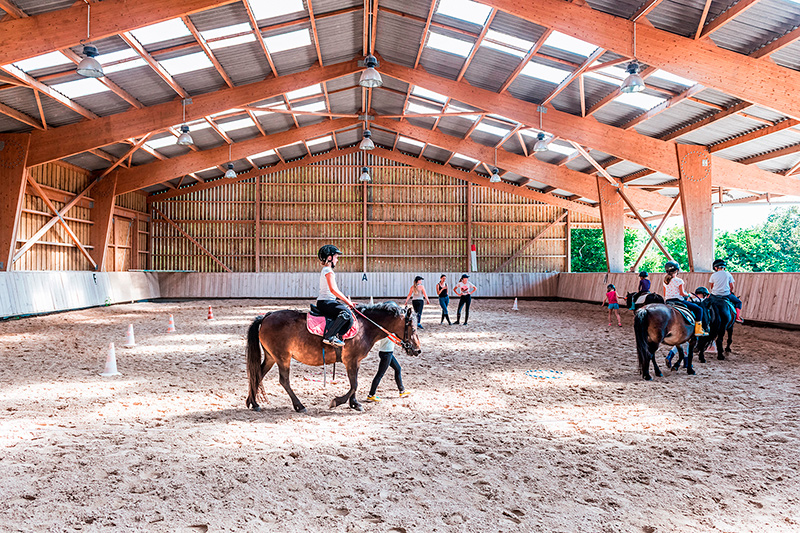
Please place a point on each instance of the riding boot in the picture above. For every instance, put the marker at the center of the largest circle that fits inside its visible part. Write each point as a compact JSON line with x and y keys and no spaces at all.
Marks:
{"x":338,"y":326}
{"x":458,"y":318}
{"x":447,"y":317}
{"x":466,"y":318}
{"x":442,"y":320}
{"x":739,"y":316}
{"x":698,"y":329}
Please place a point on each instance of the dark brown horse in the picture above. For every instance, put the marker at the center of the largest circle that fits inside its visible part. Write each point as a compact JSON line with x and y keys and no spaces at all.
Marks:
{"x":657,"y":323}
{"x":283,"y":336}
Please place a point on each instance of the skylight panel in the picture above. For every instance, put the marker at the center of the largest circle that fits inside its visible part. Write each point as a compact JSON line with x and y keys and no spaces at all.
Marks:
{"x":464,"y":157}
{"x":187,"y":63}
{"x":227,"y":112}
{"x":430,"y":95}
{"x":455,"y":109}
{"x":288,"y":41}
{"x":267,"y":9}
{"x":226,"y":31}
{"x":305,"y":91}
{"x":236,"y":124}
{"x":155,"y":144}
{"x":113,"y":57}
{"x":78,"y":88}
{"x":43,"y":61}
{"x":311,"y":108}
{"x":506,"y":43}
{"x":414,"y":107}
{"x":493,"y":130}
{"x":570,"y":44}
{"x":640,"y":100}
{"x":543,"y":72}
{"x":610,"y":75}
{"x":163,"y":31}
{"x":263,"y":154}
{"x":449,"y":44}
{"x":321,"y":140}
{"x":233,"y":41}
{"x":464,"y":10}
{"x":412,"y":142}
{"x":568,"y":151}
{"x":661,"y":74}
{"x":126,"y":65}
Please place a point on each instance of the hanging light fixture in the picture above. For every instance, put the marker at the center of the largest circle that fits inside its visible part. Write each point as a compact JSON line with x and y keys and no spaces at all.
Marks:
{"x":495,"y":178}
{"x":184,"y":139}
{"x":634,"y":82}
{"x":542,"y":142}
{"x":89,"y":67}
{"x":366,"y":142}
{"x":230,"y":173}
{"x":370,"y":77}
{"x":365,"y":177}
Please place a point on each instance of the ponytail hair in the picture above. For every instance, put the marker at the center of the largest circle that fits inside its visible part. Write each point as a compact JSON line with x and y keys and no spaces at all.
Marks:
{"x":669,"y":276}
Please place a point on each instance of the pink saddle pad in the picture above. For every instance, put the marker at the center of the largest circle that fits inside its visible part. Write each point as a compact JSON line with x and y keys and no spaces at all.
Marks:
{"x":316,"y":326}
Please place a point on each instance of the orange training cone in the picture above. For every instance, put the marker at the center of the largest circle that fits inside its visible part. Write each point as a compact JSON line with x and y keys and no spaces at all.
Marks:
{"x":210,"y":313}
{"x":171,"y":325}
{"x":111,"y":363}
{"x":515,"y":308}
{"x":129,"y":340}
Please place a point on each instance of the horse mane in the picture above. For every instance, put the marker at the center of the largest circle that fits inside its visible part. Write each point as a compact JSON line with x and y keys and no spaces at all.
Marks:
{"x":383,"y":308}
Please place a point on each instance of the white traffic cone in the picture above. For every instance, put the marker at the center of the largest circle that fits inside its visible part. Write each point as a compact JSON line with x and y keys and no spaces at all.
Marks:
{"x":515,"y":308}
{"x":129,"y":340}
{"x":210,"y":313}
{"x":371,"y":301}
{"x":111,"y":363}
{"x":171,"y":325}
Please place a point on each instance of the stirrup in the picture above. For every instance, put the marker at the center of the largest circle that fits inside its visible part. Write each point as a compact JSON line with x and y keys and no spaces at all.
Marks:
{"x":334,"y":341}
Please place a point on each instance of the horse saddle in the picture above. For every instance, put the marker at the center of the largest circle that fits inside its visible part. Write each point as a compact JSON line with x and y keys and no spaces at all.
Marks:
{"x":317,"y":324}
{"x":683,"y":310}
{"x":715,"y":298}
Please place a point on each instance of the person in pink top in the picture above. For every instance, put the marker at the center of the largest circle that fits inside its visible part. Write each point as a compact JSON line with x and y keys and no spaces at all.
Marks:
{"x":612,"y":298}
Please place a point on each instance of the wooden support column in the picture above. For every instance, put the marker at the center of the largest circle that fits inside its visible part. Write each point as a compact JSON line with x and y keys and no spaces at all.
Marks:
{"x":469,"y":228}
{"x":568,"y":250}
{"x":612,"y":217}
{"x":135,"y":244}
{"x":694,"y":163}
{"x":102,"y":215}
{"x":257,"y":243}
{"x":13,"y":157}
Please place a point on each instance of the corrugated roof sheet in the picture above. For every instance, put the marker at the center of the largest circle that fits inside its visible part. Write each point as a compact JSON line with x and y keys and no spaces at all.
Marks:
{"x":765,"y":21}
{"x":398,"y":39}
{"x":340,"y":37}
{"x":490,"y":68}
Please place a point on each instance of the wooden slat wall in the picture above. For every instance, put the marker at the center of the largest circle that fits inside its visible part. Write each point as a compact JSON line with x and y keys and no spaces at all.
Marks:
{"x":415,"y":220}
{"x":29,"y":293}
{"x":767,"y":296}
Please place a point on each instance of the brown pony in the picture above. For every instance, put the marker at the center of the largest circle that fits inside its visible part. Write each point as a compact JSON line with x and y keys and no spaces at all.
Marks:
{"x":283,"y":335}
{"x":655,"y":324}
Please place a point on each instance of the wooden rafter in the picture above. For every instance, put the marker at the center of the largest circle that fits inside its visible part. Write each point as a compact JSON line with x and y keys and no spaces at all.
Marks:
{"x":702,"y":22}
{"x":476,"y":45}
{"x":44,"y":89}
{"x":736,"y":108}
{"x":525,"y":60}
{"x":314,"y":33}
{"x":257,"y":32}
{"x":607,"y":99}
{"x":646,"y":8}
{"x":727,"y":16}
{"x":22,"y":117}
{"x":155,"y":65}
{"x":578,"y":72}
{"x":778,"y":44}
{"x":663,"y":106}
{"x":424,"y":34}
{"x":207,"y":49}
{"x":789,"y":150}
{"x":755,"y":134}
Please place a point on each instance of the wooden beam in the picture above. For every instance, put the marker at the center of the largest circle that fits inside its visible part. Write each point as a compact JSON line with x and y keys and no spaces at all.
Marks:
{"x":610,"y":97}
{"x":612,"y":218}
{"x":698,"y":221}
{"x":155,"y":65}
{"x":778,"y":44}
{"x":424,"y":35}
{"x":755,"y":134}
{"x":702,"y":22}
{"x":727,"y":16}
{"x":207,"y":49}
{"x":646,"y":8}
{"x":532,"y":241}
{"x":13,"y":153}
{"x":793,"y":149}
{"x":22,"y":117}
{"x":578,"y":72}
{"x":32,"y":36}
{"x":658,"y":228}
{"x":105,"y":80}
{"x":476,"y":45}
{"x":103,"y":215}
{"x":621,"y":192}
{"x":10,"y":8}
{"x":560,"y":177}
{"x":257,"y":32}
{"x":191,"y":239}
{"x":732,"y":110}
{"x":743,"y":77}
{"x":524,"y":61}
{"x":45,"y":89}
{"x":57,"y":143}
{"x":663,"y":106}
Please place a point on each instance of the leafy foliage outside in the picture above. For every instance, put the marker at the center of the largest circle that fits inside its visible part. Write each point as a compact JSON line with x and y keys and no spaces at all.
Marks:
{"x":773,"y":246}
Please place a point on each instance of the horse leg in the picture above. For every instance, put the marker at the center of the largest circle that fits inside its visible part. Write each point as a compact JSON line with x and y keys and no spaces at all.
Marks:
{"x":681,"y":357}
{"x":349,"y":396}
{"x":283,"y":369}
{"x":701,"y":349}
{"x":651,"y":350}
{"x":719,"y":339}
{"x":689,"y":368}
{"x":730,"y":338}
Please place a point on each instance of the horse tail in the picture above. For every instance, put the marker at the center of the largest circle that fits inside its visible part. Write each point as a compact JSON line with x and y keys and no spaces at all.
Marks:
{"x":254,"y":360}
{"x":642,"y":349}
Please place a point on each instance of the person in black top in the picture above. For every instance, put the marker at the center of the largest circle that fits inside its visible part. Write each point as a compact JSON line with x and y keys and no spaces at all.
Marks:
{"x":444,"y":298}
{"x":644,"y":285}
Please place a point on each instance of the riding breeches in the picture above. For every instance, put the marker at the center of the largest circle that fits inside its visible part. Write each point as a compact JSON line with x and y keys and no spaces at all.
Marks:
{"x":737,"y":303}
{"x":465,"y":299}
{"x":339,"y":313}
{"x":696,"y":310}
{"x":418,"y":305}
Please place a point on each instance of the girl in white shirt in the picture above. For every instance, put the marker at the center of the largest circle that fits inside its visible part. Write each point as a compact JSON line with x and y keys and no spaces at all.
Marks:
{"x":674,"y":291}
{"x":331,"y":302}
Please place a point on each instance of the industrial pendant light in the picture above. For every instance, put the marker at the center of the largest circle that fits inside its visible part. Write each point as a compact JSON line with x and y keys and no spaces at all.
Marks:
{"x":542,"y":142}
{"x":230,"y":173}
{"x":370,"y":77}
{"x":634,"y":82}
{"x":365,"y":177}
{"x":495,"y":178}
{"x":184,"y":139}
{"x":89,"y":67}
{"x":366,"y":142}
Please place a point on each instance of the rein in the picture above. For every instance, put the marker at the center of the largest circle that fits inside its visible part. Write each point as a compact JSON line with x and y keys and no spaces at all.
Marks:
{"x":392,"y":337}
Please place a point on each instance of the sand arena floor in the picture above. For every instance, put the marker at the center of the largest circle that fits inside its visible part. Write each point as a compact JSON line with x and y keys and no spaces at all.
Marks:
{"x":480,"y":445}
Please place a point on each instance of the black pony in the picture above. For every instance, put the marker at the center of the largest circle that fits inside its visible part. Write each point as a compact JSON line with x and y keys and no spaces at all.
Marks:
{"x":649,"y":298}
{"x":721,"y":318}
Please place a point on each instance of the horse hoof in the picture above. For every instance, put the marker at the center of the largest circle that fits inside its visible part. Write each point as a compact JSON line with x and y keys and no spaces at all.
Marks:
{"x":648,"y":378}
{"x":727,"y":350}
{"x":659,"y":375}
{"x":255,"y":407}
{"x":332,"y":404}
{"x":357,"y":406}
{"x":300,"y":408}
{"x":691,"y":371}
{"x":721,"y":357}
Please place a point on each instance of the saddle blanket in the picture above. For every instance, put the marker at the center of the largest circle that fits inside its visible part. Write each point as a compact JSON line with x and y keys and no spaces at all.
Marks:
{"x":685,"y":311}
{"x":316,"y":326}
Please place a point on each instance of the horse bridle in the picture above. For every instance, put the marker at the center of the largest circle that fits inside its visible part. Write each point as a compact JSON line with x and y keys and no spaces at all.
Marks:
{"x":409,"y":325}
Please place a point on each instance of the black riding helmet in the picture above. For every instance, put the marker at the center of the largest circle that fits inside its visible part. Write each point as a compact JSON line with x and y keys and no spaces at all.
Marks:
{"x":327,"y":251}
{"x":643,"y":274}
{"x":671,"y":265}
{"x":720,"y":263}
{"x":702,"y":290}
